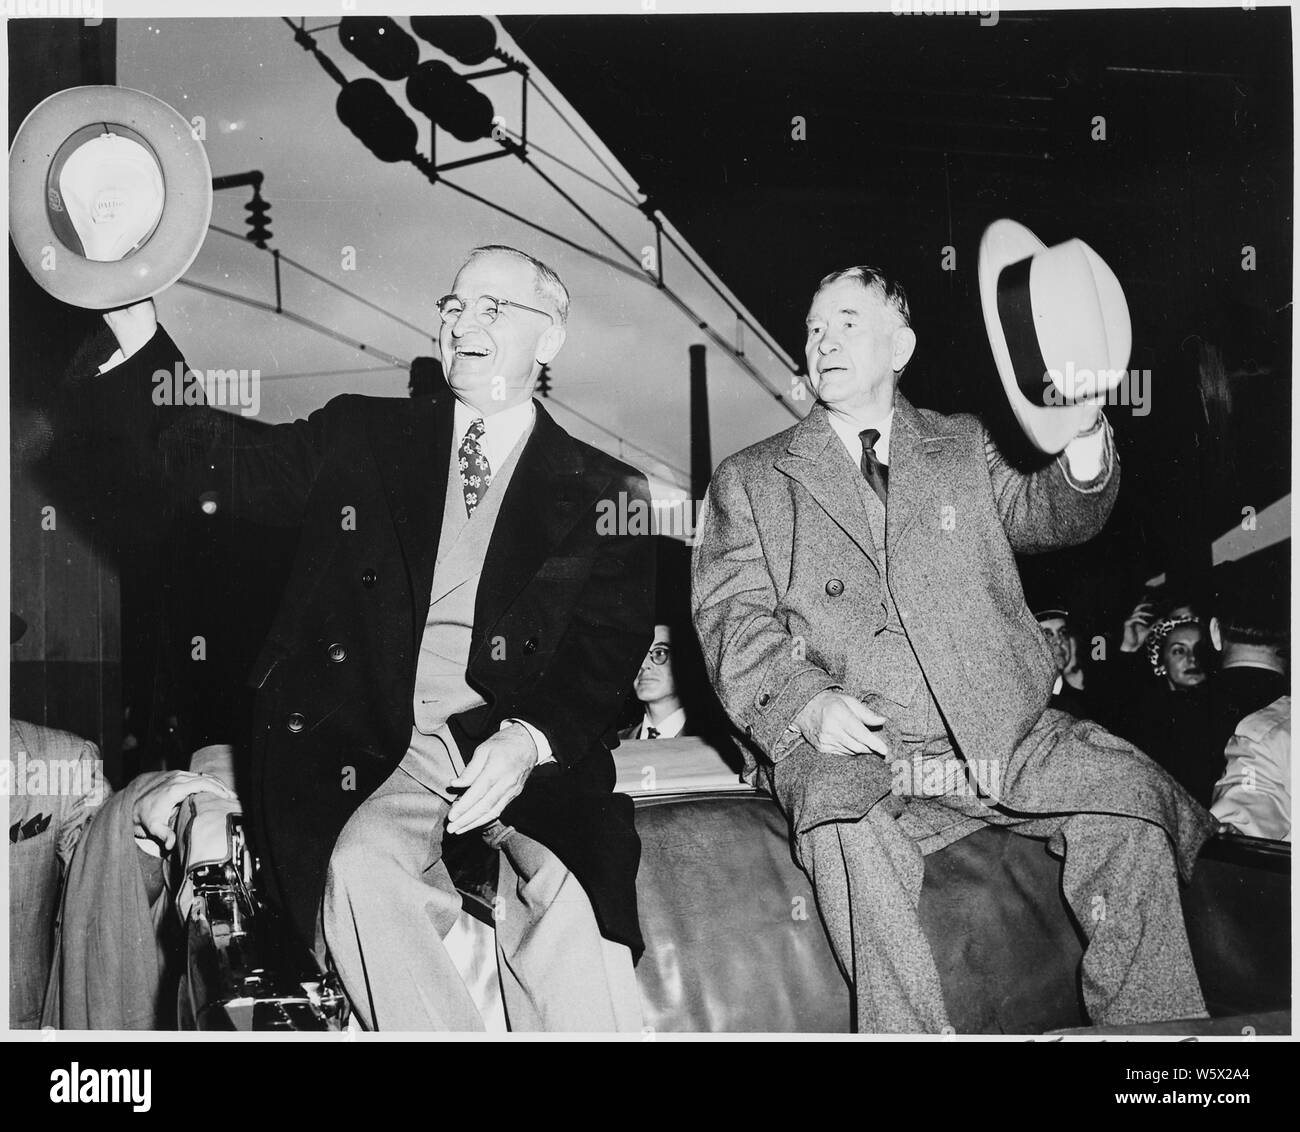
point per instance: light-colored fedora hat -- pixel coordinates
(109, 195)
(1058, 325)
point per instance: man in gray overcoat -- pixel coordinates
(856, 595)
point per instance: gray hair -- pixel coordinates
(548, 285)
(878, 283)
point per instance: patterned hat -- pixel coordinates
(1156, 638)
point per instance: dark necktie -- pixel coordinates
(873, 471)
(652, 733)
(475, 472)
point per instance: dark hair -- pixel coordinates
(1250, 620)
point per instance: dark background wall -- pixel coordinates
(141, 622)
(64, 582)
(920, 131)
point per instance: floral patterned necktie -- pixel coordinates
(475, 471)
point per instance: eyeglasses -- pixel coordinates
(486, 308)
(659, 654)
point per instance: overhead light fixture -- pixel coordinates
(381, 44)
(467, 39)
(368, 110)
(453, 103)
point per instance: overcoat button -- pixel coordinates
(369, 578)
(763, 700)
(835, 587)
(337, 652)
(296, 722)
(530, 646)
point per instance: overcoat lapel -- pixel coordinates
(916, 476)
(814, 458)
(546, 496)
(413, 466)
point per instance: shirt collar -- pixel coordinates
(848, 432)
(501, 431)
(669, 728)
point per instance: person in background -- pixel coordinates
(1120, 685)
(55, 784)
(656, 689)
(1254, 794)
(115, 946)
(1068, 691)
(1169, 715)
(1175, 652)
(1151, 608)
(1251, 641)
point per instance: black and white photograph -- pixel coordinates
(650, 522)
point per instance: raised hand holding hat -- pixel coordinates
(1059, 329)
(109, 196)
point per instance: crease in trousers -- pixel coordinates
(390, 903)
(1119, 879)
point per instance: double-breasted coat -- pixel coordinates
(788, 589)
(563, 617)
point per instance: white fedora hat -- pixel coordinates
(1058, 325)
(109, 195)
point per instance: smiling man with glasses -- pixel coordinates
(495, 337)
(446, 661)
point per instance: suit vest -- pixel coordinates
(442, 688)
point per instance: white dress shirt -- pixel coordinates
(1083, 456)
(670, 728)
(501, 431)
(848, 432)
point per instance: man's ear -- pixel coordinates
(1216, 634)
(904, 342)
(548, 345)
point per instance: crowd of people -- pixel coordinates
(1202, 688)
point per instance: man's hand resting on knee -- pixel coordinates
(836, 724)
(493, 779)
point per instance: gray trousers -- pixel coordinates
(1119, 879)
(390, 902)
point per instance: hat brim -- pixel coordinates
(1005, 242)
(175, 242)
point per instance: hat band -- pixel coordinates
(1016, 313)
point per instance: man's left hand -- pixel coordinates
(493, 779)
